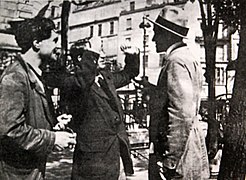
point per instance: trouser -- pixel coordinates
(153, 168)
(122, 175)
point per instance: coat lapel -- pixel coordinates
(31, 76)
(111, 94)
(35, 85)
(99, 91)
(109, 81)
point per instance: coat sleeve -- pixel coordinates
(130, 71)
(13, 113)
(181, 110)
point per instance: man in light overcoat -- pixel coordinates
(177, 144)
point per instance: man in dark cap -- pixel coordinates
(103, 147)
(177, 145)
(25, 120)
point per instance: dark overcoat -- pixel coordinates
(25, 120)
(98, 117)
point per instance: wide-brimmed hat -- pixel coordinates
(173, 19)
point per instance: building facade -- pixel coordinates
(110, 23)
(13, 10)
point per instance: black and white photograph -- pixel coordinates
(122, 90)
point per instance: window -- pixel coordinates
(111, 27)
(220, 75)
(202, 53)
(149, 2)
(147, 40)
(220, 53)
(128, 39)
(58, 26)
(146, 59)
(99, 29)
(203, 76)
(129, 24)
(161, 60)
(91, 31)
(53, 9)
(132, 6)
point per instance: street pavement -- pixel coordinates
(59, 166)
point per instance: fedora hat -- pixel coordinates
(174, 20)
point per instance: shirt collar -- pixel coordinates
(173, 47)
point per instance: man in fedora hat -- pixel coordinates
(177, 146)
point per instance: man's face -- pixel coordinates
(49, 47)
(160, 39)
(101, 64)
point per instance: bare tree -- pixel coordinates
(209, 26)
(233, 164)
(233, 14)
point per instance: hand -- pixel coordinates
(144, 82)
(129, 49)
(151, 148)
(63, 120)
(166, 173)
(64, 139)
(148, 89)
(204, 127)
(161, 173)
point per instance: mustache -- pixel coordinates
(57, 51)
(56, 54)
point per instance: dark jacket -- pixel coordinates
(25, 120)
(98, 121)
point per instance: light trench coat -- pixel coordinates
(174, 128)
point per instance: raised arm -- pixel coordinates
(131, 68)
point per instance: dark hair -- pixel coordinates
(38, 28)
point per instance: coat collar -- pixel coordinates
(36, 86)
(174, 47)
(109, 80)
(111, 94)
(100, 91)
(31, 76)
